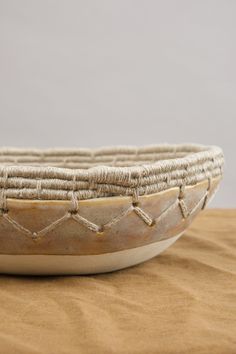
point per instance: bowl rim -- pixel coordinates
(19, 180)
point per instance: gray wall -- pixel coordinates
(91, 73)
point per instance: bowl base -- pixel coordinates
(75, 265)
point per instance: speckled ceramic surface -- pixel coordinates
(25, 230)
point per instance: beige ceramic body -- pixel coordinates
(42, 237)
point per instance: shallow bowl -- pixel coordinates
(90, 211)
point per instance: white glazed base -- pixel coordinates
(72, 264)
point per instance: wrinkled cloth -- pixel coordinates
(183, 301)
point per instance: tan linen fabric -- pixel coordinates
(183, 301)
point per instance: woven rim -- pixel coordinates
(65, 174)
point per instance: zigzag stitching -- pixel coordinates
(99, 229)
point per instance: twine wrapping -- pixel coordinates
(62, 174)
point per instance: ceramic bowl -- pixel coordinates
(91, 211)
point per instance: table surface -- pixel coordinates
(183, 301)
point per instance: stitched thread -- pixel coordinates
(92, 174)
(207, 194)
(122, 171)
(99, 229)
(3, 197)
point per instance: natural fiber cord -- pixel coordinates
(83, 174)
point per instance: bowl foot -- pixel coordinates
(73, 264)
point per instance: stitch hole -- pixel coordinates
(153, 223)
(101, 230)
(3, 212)
(72, 212)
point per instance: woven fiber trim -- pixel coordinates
(66, 174)
(100, 229)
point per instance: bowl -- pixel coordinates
(82, 211)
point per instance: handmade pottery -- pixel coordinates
(69, 217)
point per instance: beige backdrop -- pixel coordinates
(90, 73)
